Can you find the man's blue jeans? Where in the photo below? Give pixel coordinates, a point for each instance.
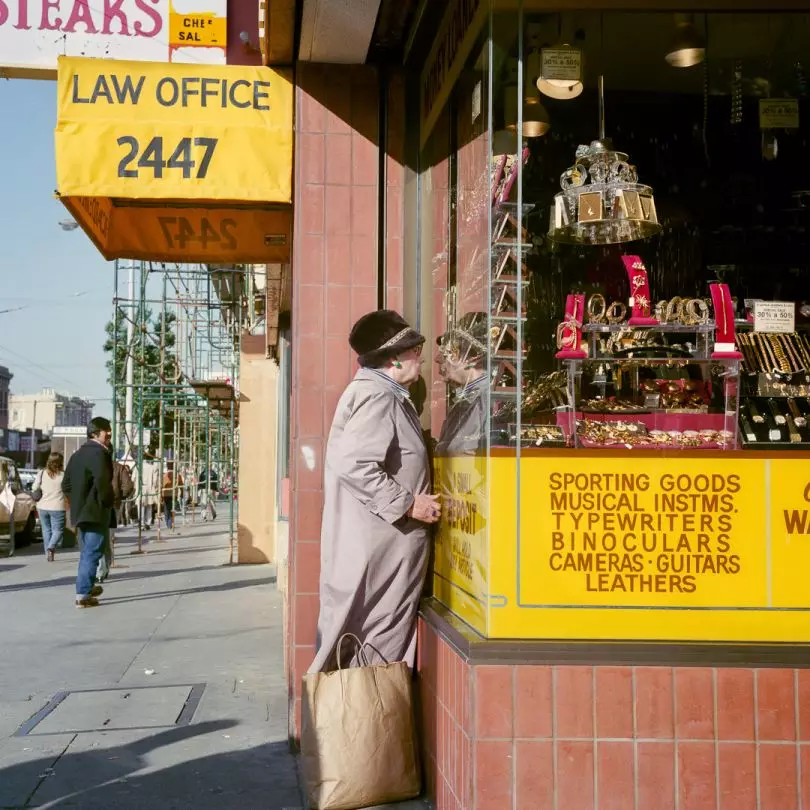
(94, 541)
(53, 527)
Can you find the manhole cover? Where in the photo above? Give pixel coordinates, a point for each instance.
(115, 710)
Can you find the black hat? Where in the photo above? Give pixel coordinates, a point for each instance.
(468, 337)
(382, 334)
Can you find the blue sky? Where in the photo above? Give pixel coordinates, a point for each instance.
(61, 280)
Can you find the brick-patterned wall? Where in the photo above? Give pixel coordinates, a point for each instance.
(335, 281)
(612, 738)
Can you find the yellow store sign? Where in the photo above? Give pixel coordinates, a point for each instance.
(598, 547)
(181, 161)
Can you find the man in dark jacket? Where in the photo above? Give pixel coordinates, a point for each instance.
(88, 486)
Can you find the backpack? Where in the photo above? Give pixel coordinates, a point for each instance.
(127, 485)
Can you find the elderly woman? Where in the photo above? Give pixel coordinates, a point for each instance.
(462, 357)
(377, 501)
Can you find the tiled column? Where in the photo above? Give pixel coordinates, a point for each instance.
(394, 194)
(335, 281)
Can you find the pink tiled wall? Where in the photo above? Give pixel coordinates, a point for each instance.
(335, 280)
(612, 738)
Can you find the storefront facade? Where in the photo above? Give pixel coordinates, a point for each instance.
(618, 615)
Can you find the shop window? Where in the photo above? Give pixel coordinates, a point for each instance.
(614, 226)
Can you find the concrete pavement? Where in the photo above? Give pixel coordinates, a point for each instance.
(175, 687)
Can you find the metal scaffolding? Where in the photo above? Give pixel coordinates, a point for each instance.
(175, 343)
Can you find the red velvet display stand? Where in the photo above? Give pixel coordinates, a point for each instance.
(640, 299)
(570, 330)
(725, 336)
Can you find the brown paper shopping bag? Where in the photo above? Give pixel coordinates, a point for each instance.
(358, 746)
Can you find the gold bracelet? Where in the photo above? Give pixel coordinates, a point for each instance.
(790, 346)
(616, 312)
(674, 311)
(769, 354)
(779, 353)
(696, 311)
(760, 352)
(596, 315)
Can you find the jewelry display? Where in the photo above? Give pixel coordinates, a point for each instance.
(538, 435)
(777, 415)
(785, 422)
(747, 430)
(725, 343)
(610, 405)
(640, 298)
(798, 416)
(636, 435)
(569, 332)
(616, 312)
(673, 311)
(597, 309)
(795, 436)
(756, 417)
(695, 311)
(768, 353)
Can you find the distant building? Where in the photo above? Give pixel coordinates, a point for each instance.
(47, 409)
(5, 380)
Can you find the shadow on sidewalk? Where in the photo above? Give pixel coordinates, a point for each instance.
(104, 778)
(224, 586)
(119, 576)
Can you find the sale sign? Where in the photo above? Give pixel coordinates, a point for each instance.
(35, 33)
(176, 161)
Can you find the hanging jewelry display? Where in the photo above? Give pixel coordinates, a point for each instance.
(602, 202)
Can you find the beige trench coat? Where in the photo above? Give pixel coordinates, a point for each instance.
(373, 557)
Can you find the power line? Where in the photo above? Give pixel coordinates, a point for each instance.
(37, 365)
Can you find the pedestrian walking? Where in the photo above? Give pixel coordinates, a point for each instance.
(377, 502)
(170, 481)
(51, 503)
(123, 487)
(88, 487)
(207, 489)
(126, 484)
(149, 486)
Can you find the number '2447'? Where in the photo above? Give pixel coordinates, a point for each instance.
(152, 156)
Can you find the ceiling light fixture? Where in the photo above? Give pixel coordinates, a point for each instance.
(536, 120)
(688, 46)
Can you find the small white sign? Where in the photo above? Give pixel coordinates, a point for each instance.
(778, 113)
(561, 63)
(774, 316)
(69, 430)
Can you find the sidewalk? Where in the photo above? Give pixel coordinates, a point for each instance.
(186, 653)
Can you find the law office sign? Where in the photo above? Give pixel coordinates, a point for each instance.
(177, 162)
(35, 33)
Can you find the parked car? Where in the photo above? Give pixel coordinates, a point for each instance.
(25, 513)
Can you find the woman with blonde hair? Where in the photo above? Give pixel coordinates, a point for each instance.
(51, 503)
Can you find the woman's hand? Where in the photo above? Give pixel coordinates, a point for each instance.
(426, 509)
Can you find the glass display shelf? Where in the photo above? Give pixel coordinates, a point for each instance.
(652, 403)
